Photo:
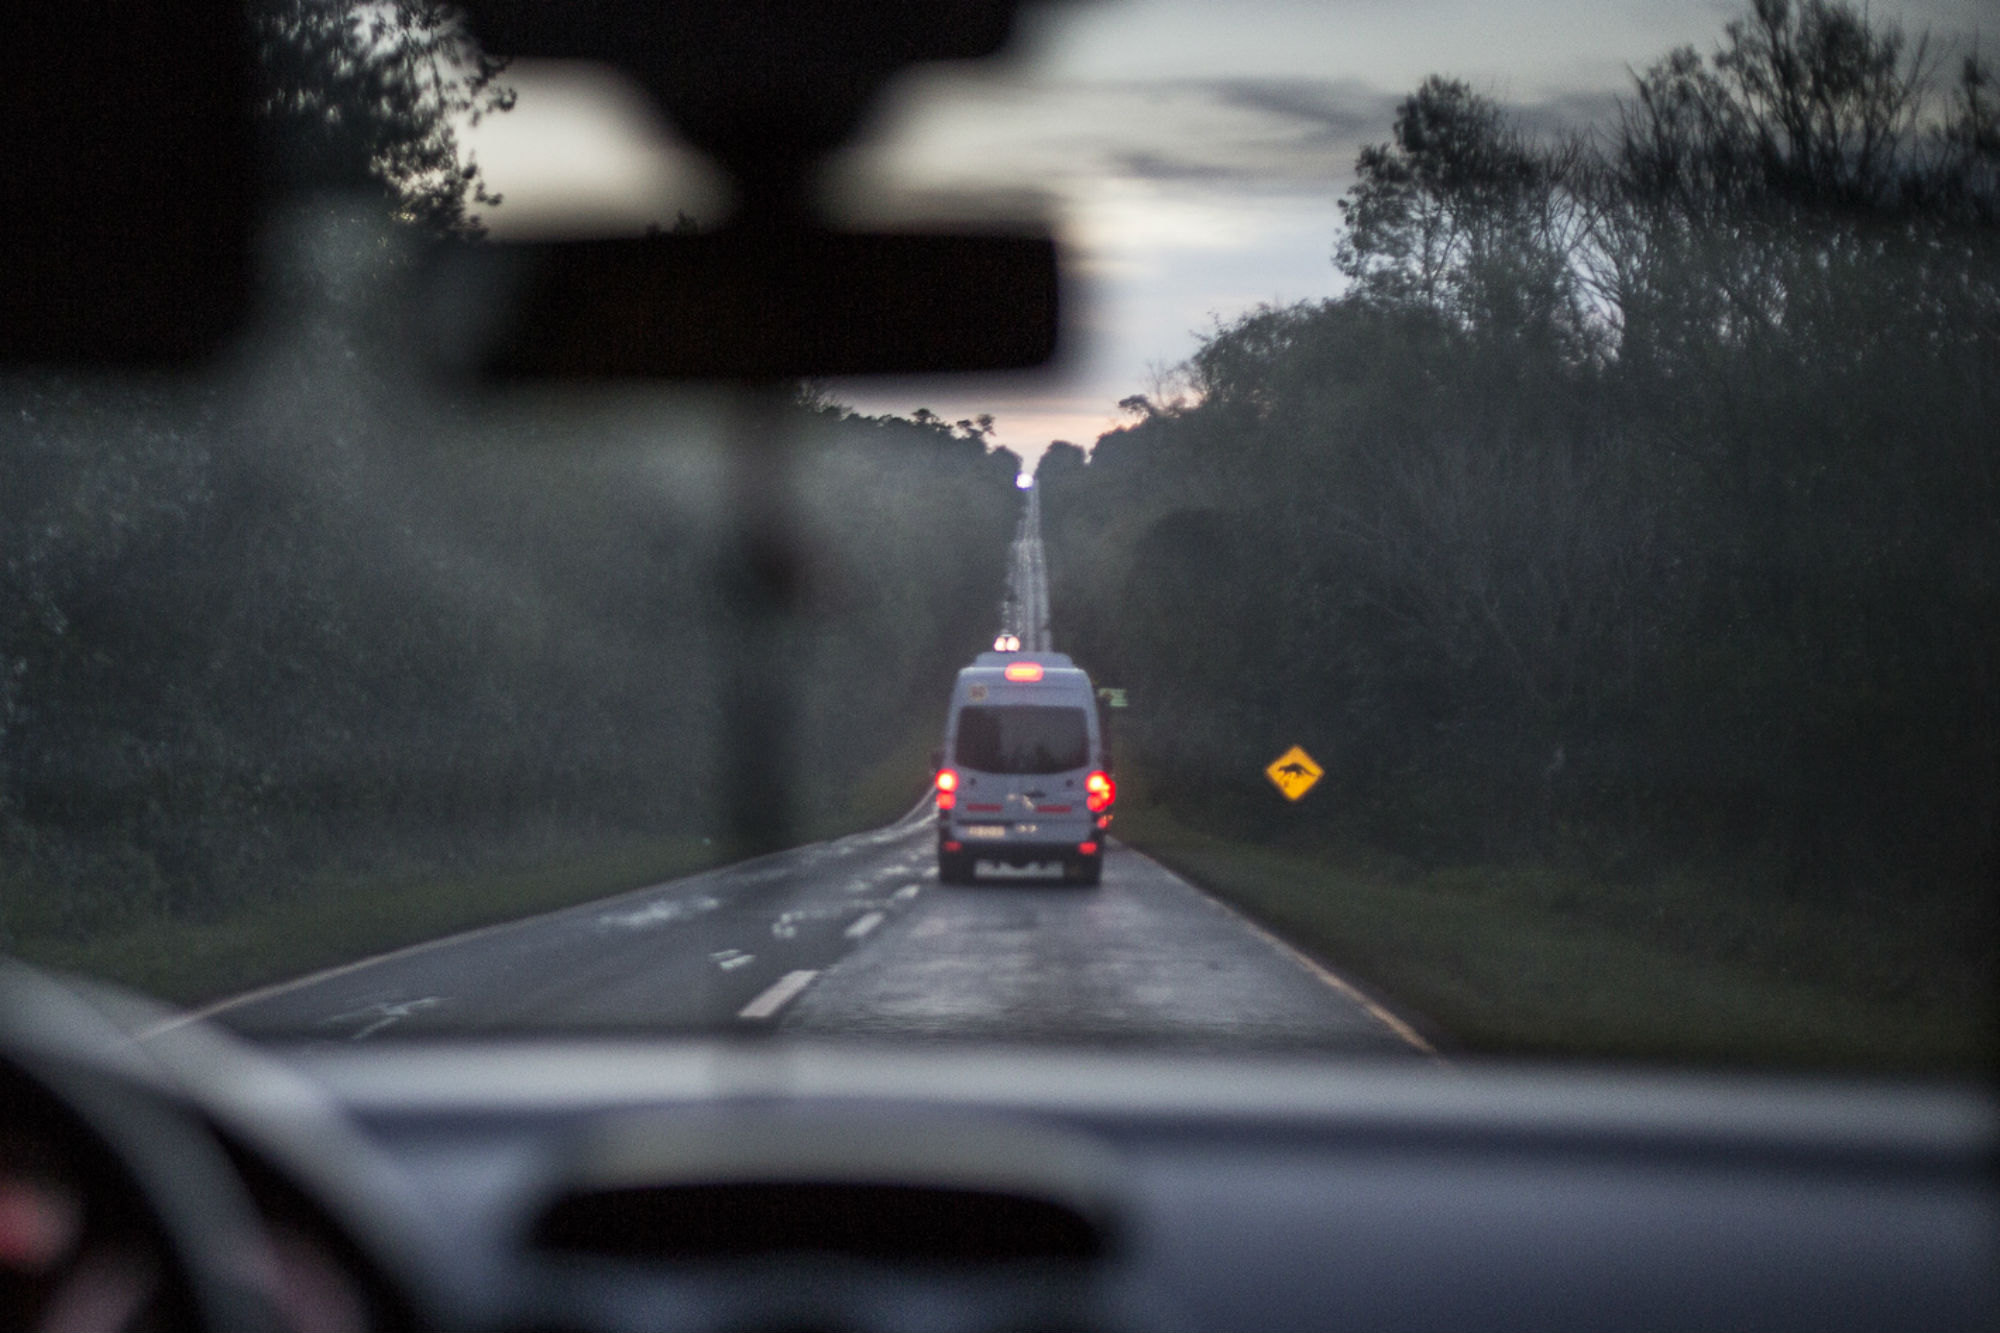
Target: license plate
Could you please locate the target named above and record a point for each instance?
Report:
(984, 830)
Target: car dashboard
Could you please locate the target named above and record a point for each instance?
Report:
(643, 1184)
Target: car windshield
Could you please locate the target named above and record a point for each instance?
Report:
(1522, 486)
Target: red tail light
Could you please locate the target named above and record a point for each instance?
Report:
(947, 789)
(1087, 848)
(1024, 671)
(1099, 792)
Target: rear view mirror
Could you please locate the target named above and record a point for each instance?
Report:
(759, 304)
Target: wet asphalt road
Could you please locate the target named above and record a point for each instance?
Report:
(1025, 612)
(853, 937)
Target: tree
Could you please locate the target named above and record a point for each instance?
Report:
(1733, 565)
(1824, 99)
(360, 94)
(1462, 216)
(1807, 105)
(1968, 167)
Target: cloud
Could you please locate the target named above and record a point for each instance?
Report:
(1152, 164)
(1239, 136)
(1261, 135)
(1245, 132)
(1336, 110)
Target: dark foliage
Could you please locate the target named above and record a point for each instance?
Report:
(310, 618)
(364, 95)
(307, 617)
(1636, 503)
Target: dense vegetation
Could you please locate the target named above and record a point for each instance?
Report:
(367, 93)
(313, 620)
(309, 620)
(1632, 509)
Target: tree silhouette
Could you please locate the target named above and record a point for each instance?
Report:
(1636, 494)
(1459, 214)
(366, 93)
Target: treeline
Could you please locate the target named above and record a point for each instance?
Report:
(313, 622)
(308, 617)
(1635, 503)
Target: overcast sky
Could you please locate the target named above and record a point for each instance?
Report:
(1189, 153)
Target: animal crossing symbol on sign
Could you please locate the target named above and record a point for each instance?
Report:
(1293, 773)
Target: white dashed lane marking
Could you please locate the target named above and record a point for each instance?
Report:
(382, 1015)
(862, 925)
(778, 994)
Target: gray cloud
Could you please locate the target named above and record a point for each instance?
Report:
(1152, 164)
(1248, 133)
(1332, 110)
(1222, 138)
(1232, 132)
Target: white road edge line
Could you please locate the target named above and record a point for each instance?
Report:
(862, 925)
(1341, 984)
(778, 994)
(1325, 974)
(916, 815)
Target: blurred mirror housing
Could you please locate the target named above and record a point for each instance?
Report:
(756, 305)
(128, 181)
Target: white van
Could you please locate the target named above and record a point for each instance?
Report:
(1023, 778)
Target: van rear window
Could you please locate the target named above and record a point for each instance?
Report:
(1022, 738)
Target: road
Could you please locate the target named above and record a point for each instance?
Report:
(853, 937)
(856, 937)
(1024, 611)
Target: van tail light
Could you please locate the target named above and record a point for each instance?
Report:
(1086, 849)
(1099, 792)
(1027, 672)
(947, 788)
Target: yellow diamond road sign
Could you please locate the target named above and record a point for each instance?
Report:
(1293, 773)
